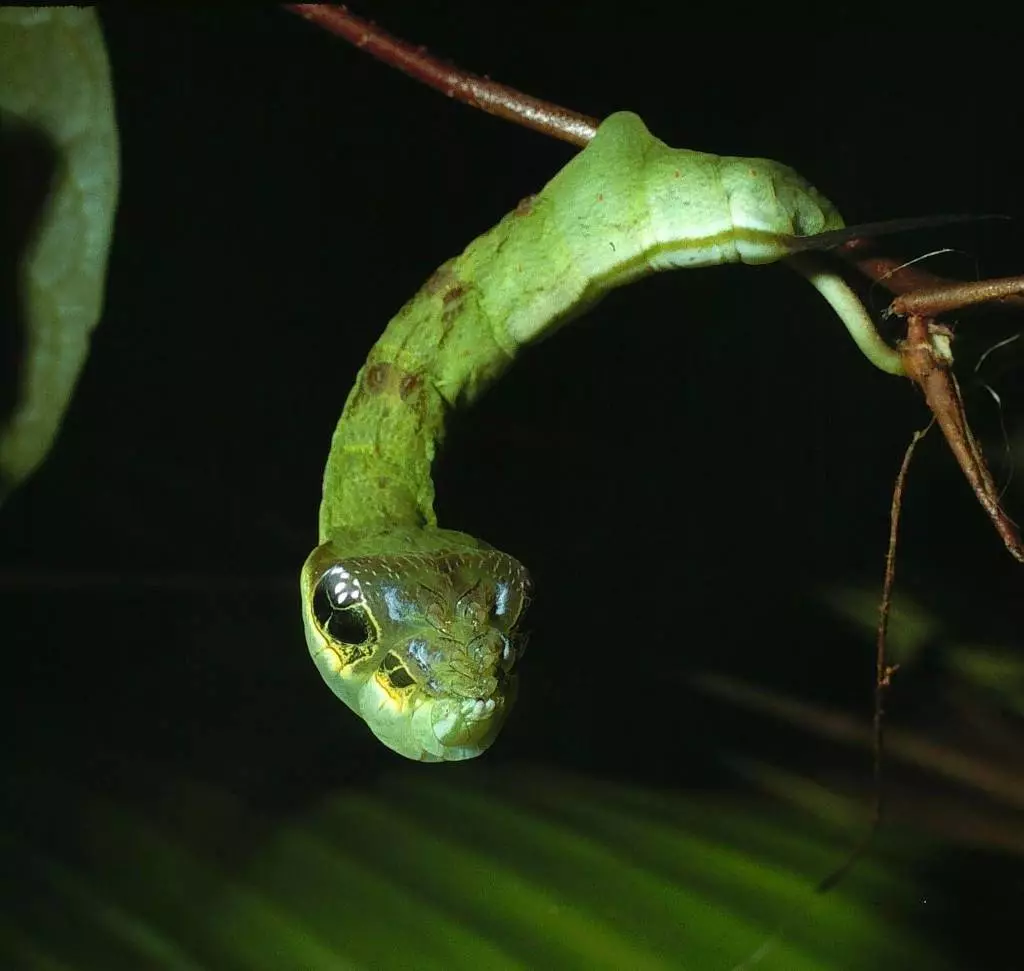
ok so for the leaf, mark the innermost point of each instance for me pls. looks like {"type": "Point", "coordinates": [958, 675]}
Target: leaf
{"type": "Point", "coordinates": [911, 626]}
{"type": "Point", "coordinates": [523, 868]}
{"type": "Point", "coordinates": [998, 671]}
{"type": "Point", "coordinates": [59, 148]}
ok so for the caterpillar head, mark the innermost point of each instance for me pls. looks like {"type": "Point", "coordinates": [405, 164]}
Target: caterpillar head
{"type": "Point", "coordinates": [422, 646]}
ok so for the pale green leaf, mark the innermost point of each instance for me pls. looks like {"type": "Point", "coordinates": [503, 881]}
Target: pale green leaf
{"type": "Point", "coordinates": [60, 151]}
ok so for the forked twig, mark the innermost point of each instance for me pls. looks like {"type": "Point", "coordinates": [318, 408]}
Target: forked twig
{"type": "Point", "coordinates": [927, 359]}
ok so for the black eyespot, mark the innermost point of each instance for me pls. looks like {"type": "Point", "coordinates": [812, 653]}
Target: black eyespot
{"type": "Point", "coordinates": [393, 669]}
{"type": "Point", "coordinates": [342, 618]}
{"type": "Point", "coordinates": [349, 626]}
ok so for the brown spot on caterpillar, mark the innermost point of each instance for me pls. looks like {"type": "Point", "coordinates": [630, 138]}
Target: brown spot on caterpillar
{"type": "Point", "coordinates": [377, 376]}
{"type": "Point", "coordinates": [452, 301]}
{"type": "Point", "coordinates": [524, 207]}
{"type": "Point", "coordinates": [408, 384]}
{"type": "Point", "coordinates": [453, 293]}
{"type": "Point", "coordinates": [383, 378]}
{"type": "Point", "coordinates": [600, 197]}
{"type": "Point", "coordinates": [383, 483]}
{"type": "Point", "coordinates": [439, 279]}
{"type": "Point", "coordinates": [676, 174]}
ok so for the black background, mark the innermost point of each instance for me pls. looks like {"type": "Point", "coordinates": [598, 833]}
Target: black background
{"type": "Point", "coordinates": [683, 471]}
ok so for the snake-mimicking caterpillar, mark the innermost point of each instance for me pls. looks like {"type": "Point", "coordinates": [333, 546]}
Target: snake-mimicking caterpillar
{"type": "Point", "coordinates": [414, 627]}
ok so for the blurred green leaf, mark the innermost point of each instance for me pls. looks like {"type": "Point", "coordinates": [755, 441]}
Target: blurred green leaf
{"type": "Point", "coordinates": [60, 151]}
{"type": "Point", "coordinates": [911, 626]}
{"type": "Point", "coordinates": [997, 671]}
{"type": "Point", "coordinates": [468, 869]}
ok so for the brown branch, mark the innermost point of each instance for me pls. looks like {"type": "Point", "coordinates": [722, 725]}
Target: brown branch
{"type": "Point", "coordinates": [899, 278]}
{"type": "Point", "coordinates": [927, 360]}
{"type": "Point", "coordinates": [952, 295]}
{"type": "Point", "coordinates": [478, 92]}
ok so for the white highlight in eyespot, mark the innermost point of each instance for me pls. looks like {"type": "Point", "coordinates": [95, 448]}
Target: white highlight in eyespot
{"type": "Point", "coordinates": [341, 591]}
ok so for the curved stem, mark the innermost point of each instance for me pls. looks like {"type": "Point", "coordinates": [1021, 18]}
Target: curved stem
{"type": "Point", "coordinates": [851, 311]}
{"type": "Point", "coordinates": [483, 93]}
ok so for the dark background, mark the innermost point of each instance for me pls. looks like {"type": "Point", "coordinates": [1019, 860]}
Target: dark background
{"type": "Point", "coordinates": [683, 471]}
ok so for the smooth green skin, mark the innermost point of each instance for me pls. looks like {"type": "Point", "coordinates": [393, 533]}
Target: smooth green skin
{"type": "Point", "coordinates": [426, 654]}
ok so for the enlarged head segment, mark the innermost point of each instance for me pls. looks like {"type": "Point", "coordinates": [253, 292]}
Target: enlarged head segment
{"type": "Point", "coordinates": [421, 645]}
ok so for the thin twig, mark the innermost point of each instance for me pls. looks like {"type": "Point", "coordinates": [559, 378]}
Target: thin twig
{"type": "Point", "coordinates": [899, 277]}
{"type": "Point", "coordinates": [478, 92]}
{"type": "Point", "coordinates": [883, 674]}
{"type": "Point", "coordinates": [953, 296]}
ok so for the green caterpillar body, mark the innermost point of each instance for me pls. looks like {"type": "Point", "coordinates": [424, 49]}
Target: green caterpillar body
{"type": "Point", "coordinates": [414, 627]}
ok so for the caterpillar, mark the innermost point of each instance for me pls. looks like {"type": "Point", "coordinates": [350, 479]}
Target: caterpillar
{"type": "Point", "coordinates": [415, 627]}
